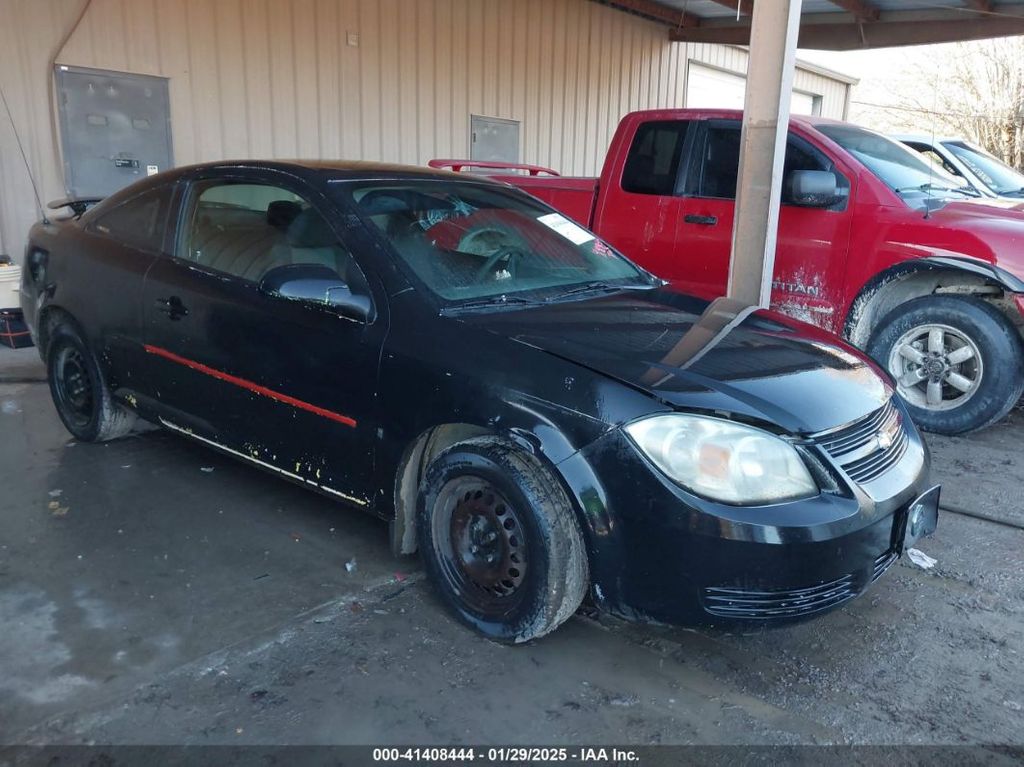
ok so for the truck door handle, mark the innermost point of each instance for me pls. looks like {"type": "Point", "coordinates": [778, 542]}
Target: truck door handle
{"type": "Point", "coordinates": [693, 218]}
{"type": "Point", "coordinates": [172, 307]}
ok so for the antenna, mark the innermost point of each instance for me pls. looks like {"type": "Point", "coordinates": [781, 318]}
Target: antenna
{"type": "Point", "coordinates": [24, 157]}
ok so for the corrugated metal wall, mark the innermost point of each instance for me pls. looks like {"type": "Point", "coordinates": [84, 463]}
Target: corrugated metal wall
{"type": "Point", "coordinates": [279, 78]}
{"type": "Point", "coordinates": [31, 32]}
{"type": "Point", "coordinates": [833, 92]}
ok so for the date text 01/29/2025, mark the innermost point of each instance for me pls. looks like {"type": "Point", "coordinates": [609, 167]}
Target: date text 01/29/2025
{"type": "Point", "coordinates": [504, 754]}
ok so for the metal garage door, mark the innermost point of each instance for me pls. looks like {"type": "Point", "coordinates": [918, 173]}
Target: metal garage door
{"type": "Point", "coordinates": [707, 87]}
{"type": "Point", "coordinates": [115, 128]}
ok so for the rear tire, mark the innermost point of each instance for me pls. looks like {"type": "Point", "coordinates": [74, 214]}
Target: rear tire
{"type": "Point", "coordinates": [500, 541]}
{"type": "Point", "coordinates": [958, 362]}
{"type": "Point", "coordinates": [80, 394]}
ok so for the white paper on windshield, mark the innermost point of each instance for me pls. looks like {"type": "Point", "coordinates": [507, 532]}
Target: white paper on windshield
{"type": "Point", "coordinates": [574, 233]}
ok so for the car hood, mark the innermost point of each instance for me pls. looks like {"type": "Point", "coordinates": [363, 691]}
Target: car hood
{"type": "Point", "coordinates": [719, 356]}
{"type": "Point", "coordinates": [988, 229]}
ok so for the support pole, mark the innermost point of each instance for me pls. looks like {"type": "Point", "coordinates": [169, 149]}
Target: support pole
{"type": "Point", "coordinates": [775, 27]}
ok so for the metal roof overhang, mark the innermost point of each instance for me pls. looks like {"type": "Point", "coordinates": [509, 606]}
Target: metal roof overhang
{"type": "Point", "coordinates": [839, 25]}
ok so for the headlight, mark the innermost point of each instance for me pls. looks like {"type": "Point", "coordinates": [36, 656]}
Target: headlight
{"type": "Point", "coordinates": [723, 461]}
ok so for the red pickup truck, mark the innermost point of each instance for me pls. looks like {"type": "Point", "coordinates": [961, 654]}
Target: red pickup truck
{"type": "Point", "coordinates": [874, 244]}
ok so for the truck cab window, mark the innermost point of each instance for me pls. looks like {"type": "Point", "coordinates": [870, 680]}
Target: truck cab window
{"type": "Point", "coordinates": [720, 161]}
{"type": "Point", "coordinates": [652, 164]}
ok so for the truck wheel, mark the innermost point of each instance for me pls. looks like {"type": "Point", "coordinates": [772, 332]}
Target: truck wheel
{"type": "Point", "coordinates": [83, 401]}
{"type": "Point", "coordinates": [500, 541]}
{"type": "Point", "coordinates": [957, 361]}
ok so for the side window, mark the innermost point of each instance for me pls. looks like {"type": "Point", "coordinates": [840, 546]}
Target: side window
{"type": "Point", "coordinates": [140, 221]}
{"type": "Point", "coordinates": [935, 159]}
{"type": "Point", "coordinates": [248, 229]}
{"type": "Point", "coordinates": [652, 164]}
{"type": "Point", "coordinates": [720, 162]}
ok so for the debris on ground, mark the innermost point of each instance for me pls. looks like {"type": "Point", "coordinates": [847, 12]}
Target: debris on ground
{"type": "Point", "coordinates": [400, 577]}
{"type": "Point", "coordinates": [57, 510]}
{"type": "Point", "coordinates": [351, 566]}
{"type": "Point", "coordinates": [921, 559]}
{"type": "Point", "coordinates": [207, 469]}
{"type": "Point", "coordinates": [296, 537]}
{"type": "Point", "coordinates": [55, 493]}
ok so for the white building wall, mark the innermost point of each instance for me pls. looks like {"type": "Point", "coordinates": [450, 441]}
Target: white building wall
{"type": "Point", "coordinates": [280, 79]}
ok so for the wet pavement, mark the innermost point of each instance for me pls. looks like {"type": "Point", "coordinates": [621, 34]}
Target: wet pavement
{"type": "Point", "coordinates": [153, 592]}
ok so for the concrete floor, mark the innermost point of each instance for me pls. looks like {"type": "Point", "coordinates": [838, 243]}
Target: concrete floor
{"type": "Point", "coordinates": [145, 599]}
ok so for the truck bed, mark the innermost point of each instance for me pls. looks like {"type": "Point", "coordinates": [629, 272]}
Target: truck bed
{"type": "Point", "coordinates": [572, 195]}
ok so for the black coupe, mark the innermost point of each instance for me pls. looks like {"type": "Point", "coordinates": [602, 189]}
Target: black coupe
{"type": "Point", "coordinates": [535, 414]}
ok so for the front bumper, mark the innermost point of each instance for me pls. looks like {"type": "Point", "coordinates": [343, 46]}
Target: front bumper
{"type": "Point", "coordinates": [661, 554]}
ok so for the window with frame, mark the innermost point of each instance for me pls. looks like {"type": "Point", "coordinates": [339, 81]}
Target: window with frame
{"type": "Point", "coordinates": [140, 221]}
{"type": "Point", "coordinates": [652, 164]}
{"type": "Point", "coordinates": [720, 162]}
{"type": "Point", "coordinates": [247, 229]}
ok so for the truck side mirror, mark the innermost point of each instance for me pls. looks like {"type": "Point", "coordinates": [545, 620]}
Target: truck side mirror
{"type": "Point", "coordinates": [812, 189]}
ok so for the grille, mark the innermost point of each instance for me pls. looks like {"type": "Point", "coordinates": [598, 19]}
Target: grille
{"type": "Point", "coordinates": [857, 448]}
{"type": "Point", "coordinates": [729, 602]}
{"type": "Point", "coordinates": [882, 564]}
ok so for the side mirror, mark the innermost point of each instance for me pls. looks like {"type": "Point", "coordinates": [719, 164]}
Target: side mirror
{"type": "Point", "coordinates": [315, 285]}
{"type": "Point", "coordinates": [813, 189]}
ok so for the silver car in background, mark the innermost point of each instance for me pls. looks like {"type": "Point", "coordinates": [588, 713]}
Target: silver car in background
{"type": "Point", "coordinates": [989, 175]}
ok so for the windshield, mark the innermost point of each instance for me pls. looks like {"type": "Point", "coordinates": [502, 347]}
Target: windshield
{"type": "Point", "coordinates": [994, 173]}
{"type": "Point", "coordinates": [467, 241]}
{"type": "Point", "coordinates": [902, 169]}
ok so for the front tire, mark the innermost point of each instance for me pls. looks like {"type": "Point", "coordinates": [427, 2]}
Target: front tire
{"type": "Point", "coordinates": [500, 541]}
{"type": "Point", "coordinates": [80, 394]}
{"type": "Point", "coordinates": [957, 361]}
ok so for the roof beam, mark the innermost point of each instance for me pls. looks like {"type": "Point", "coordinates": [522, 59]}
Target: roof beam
{"type": "Point", "coordinates": [740, 6]}
{"type": "Point", "coordinates": [861, 9]}
{"type": "Point", "coordinates": [656, 11]}
{"type": "Point", "coordinates": [824, 31]}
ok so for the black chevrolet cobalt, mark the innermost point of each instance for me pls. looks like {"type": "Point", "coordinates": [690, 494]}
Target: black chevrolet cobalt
{"type": "Point", "coordinates": [537, 416]}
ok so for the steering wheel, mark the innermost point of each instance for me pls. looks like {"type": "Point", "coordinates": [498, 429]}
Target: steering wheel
{"type": "Point", "coordinates": [512, 255]}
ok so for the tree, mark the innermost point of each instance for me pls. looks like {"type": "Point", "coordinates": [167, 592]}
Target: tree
{"type": "Point", "coordinates": [982, 95]}
{"type": "Point", "coordinates": [972, 89]}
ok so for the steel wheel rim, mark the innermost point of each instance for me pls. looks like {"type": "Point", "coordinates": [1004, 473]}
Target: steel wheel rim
{"type": "Point", "coordinates": [480, 544]}
{"type": "Point", "coordinates": [74, 385]}
{"type": "Point", "coordinates": [936, 367]}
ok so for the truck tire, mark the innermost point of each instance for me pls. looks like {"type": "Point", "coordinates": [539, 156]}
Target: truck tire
{"type": "Point", "coordinates": [500, 541]}
{"type": "Point", "coordinates": [80, 394]}
{"type": "Point", "coordinates": [957, 361]}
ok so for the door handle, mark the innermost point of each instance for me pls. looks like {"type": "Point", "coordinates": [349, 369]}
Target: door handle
{"type": "Point", "coordinates": [172, 307]}
{"type": "Point", "coordinates": [693, 218]}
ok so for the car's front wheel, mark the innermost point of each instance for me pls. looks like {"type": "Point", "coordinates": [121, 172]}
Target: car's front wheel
{"type": "Point", "coordinates": [500, 541]}
{"type": "Point", "coordinates": [957, 361]}
{"type": "Point", "coordinates": [83, 400]}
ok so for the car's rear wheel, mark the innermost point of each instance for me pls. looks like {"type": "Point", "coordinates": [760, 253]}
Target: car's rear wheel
{"type": "Point", "coordinates": [83, 400]}
{"type": "Point", "coordinates": [500, 541]}
{"type": "Point", "coordinates": [957, 361]}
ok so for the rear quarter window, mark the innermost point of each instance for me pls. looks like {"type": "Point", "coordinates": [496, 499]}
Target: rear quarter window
{"type": "Point", "coordinates": [138, 222]}
{"type": "Point", "coordinates": [652, 165]}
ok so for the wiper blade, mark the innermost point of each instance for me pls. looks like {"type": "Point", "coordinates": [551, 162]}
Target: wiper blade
{"type": "Point", "coordinates": [597, 286]}
{"type": "Point", "coordinates": [929, 187]}
{"type": "Point", "coordinates": [490, 302]}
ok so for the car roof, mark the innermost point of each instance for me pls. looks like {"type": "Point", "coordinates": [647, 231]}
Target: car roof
{"type": "Point", "coordinates": [311, 171]}
{"type": "Point", "coordinates": [348, 169]}
{"type": "Point", "coordinates": [711, 113]}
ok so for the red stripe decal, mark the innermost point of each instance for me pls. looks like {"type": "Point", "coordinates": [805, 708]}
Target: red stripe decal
{"type": "Point", "coordinates": [222, 376]}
